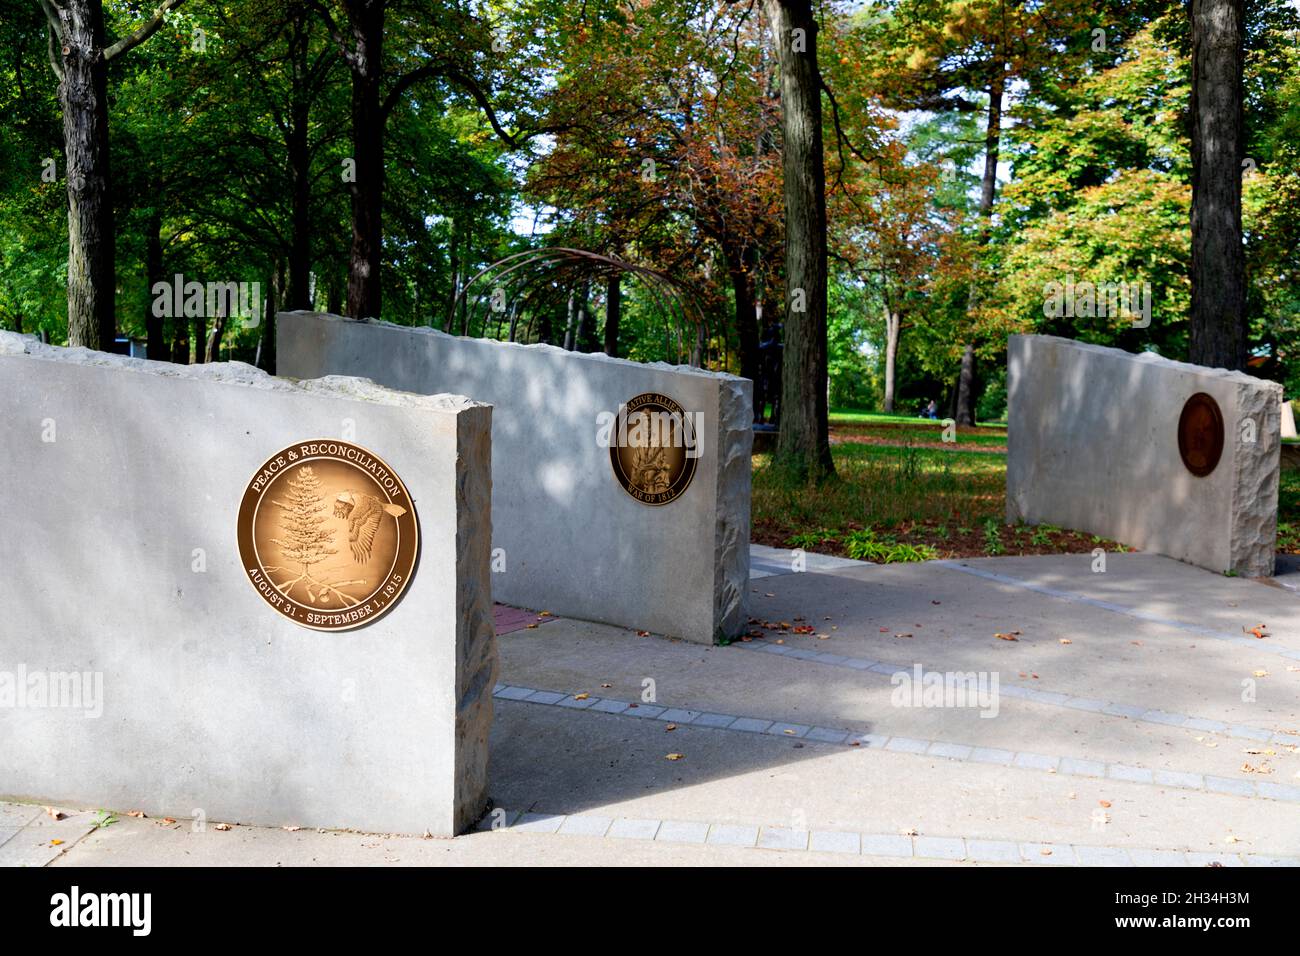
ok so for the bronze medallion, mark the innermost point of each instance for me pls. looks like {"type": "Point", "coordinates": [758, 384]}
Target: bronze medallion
{"type": "Point", "coordinates": [1200, 434]}
{"type": "Point", "coordinates": [654, 449]}
{"type": "Point", "coordinates": [328, 534]}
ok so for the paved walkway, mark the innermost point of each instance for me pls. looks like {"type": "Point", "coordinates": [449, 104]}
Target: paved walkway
{"type": "Point", "coordinates": [1135, 719]}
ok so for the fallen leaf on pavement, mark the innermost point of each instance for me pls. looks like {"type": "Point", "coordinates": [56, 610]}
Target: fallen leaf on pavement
{"type": "Point", "coordinates": [223, 827]}
{"type": "Point", "coordinates": [1007, 637]}
{"type": "Point", "coordinates": [1066, 640]}
{"type": "Point", "coordinates": [55, 814]}
{"type": "Point", "coordinates": [583, 696]}
{"type": "Point", "coordinates": [670, 727]}
{"type": "Point", "coordinates": [674, 756]}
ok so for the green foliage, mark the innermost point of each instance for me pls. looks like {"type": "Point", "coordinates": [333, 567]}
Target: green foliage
{"type": "Point", "coordinates": [865, 546]}
{"type": "Point", "coordinates": [1094, 151]}
{"type": "Point", "coordinates": [992, 536]}
{"type": "Point", "coordinates": [103, 819]}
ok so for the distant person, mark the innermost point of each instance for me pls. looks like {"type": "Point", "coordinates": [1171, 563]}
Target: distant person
{"type": "Point", "coordinates": [932, 410]}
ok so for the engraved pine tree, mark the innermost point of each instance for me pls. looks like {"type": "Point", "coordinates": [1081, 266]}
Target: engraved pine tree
{"type": "Point", "coordinates": [307, 538]}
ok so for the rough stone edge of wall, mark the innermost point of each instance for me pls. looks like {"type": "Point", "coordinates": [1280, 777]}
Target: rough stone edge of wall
{"type": "Point", "coordinates": [1017, 347]}
{"type": "Point", "coordinates": [735, 438]}
{"type": "Point", "coordinates": [1253, 547]}
{"type": "Point", "coordinates": [233, 373]}
{"type": "Point", "coordinates": [477, 661]}
{"type": "Point", "coordinates": [536, 346]}
{"type": "Point", "coordinates": [1152, 358]}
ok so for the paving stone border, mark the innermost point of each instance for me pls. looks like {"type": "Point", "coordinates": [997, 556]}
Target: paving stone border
{"type": "Point", "coordinates": [1066, 766]}
{"type": "Point", "coordinates": [1075, 598]}
{"type": "Point", "coordinates": [853, 843]}
{"type": "Point", "coordinates": [1050, 698]}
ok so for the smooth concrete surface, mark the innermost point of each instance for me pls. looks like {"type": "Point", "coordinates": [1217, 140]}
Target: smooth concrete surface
{"type": "Point", "coordinates": [571, 540]}
{"type": "Point", "coordinates": [597, 787]}
{"type": "Point", "coordinates": [1092, 445]}
{"type": "Point", "coordinates": [120, 560]}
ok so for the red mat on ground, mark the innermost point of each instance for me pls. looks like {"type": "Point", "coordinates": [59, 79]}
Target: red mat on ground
{"type": "Point", "coordinates": [507, 618]}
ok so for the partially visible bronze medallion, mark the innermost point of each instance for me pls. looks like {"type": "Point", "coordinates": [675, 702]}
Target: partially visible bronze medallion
{"type": "Point", "coordinates": [654, 449]}
{"type": "Point", "coordinates": [1200, 434]}
{"type": "Point", "coordinates": [328, 534]}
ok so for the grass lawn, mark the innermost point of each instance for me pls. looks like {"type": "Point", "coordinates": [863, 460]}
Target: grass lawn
{"type": "Point", "coordinates": [1288, 513]}
{"type": "Point", "coordinates": [904, 495]}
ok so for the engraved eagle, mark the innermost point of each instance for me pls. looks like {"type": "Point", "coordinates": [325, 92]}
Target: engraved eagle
{"type": "Point", "coordinates": [363, 513]}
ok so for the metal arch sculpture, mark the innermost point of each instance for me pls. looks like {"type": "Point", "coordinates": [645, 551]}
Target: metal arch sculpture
{"type": "Point", "coordinates": [539, 279]}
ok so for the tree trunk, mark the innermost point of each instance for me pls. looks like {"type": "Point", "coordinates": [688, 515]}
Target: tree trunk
{"type": "Point", "coordinates": [1218, 313]}
{"type": "Point", "coordinates": [180, 341]}
{"type": "Point", "coordinates": [83, 95]}
{"type": "Point", "coordinates": [571, 321]}
{"type": "Point", "coordinates": [366, 18]}
{"type": "Point", "coordinates": [964, 413]}
{"type": "Point", "coordinates": [266, 350]}
{"type": "Point", "coordinates": [155, 334]}
{"type": "Point", "coordinates": [892, 325]}
{"type": "Point", "coordinates": [466, 251]}
{"type": "Point", "coordinates": [613, 313]}
{"type": "Point", "coordinates": [585, 335]}
{"type": "Point", "coordinates": [740, 270]}
{"type": "Point", "coordinates": [299, 155]}
{"type": "Point", "coordinates": [213, 351]}
{"type": "Point", "coordinates": [804, 444]}
{"type": "Point", "coordinates": [334, 304]}
{"type": "Point", "coordinates": [453, 266]}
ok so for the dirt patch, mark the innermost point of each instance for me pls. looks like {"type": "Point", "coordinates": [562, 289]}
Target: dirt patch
{"type": "Point", "coordinates": [956, 542]}
{"type": "Point", "coordinates": [838, 438]}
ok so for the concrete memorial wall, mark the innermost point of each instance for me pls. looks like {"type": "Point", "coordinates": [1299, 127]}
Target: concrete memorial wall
{"type": "Point", "coordinates": [1164, 456]}
{"type": "Point", "coordinates": [232, 598]}
{"type": "Point", "coordinates": [575, 531]}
